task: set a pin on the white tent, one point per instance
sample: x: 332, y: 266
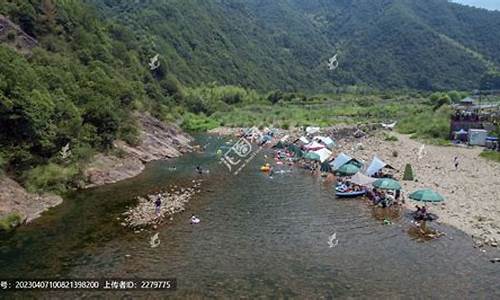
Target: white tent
x: 325, y: 140
x: 340, y: 160
x: 313, y: 146
x: 324, y: 154
x: 304, y: 140
x: 361, y: 179
x: 312, y: 130
x: 389, y: 126
x: 376, y: 165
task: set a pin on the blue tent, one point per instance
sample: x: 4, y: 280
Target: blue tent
x: 340, y: 160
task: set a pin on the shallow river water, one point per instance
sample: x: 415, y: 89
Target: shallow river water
x: 258, y: 237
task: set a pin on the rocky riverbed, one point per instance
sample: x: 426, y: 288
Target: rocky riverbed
x: 172, y: 201
x: 157, y: 141
x: 15, y: 200
x: 472, y: 195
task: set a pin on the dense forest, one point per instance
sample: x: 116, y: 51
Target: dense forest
x: 89, y: 71
x: 286, y: 44
x: 79, y: 86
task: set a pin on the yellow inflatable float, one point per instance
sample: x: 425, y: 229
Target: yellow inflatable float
x: 265, y: 168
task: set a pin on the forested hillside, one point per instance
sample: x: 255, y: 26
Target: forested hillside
x: 79, y: 86
x: 285, y: 44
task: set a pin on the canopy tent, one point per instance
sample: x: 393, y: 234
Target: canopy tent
x: 342, y: 159
x: 389, y: 126
x: 296, y: 150
x: 426, y: 195
x: 327, y: 141
x: 387, y: 184
x: 347, y: 170
x: 376, y: 165
x: 313, y: 146
x: 279, y: 145
x: 312, y: 130
x: 304, y: 140
x: 324, y: 154
x: 312, y: 156
x: 361, y: 179
x: 461, y: 131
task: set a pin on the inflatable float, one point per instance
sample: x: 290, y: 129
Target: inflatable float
x: 265, y: 168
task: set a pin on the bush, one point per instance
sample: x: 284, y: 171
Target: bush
x: 195, y: 123
x: 10, y: 221
x: 50, y: 178
x: 408, y: 174
x: 491, y: 155
x: 11, y: 36
x: 391, y: 138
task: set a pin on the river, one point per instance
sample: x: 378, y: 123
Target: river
x: 258, y: 237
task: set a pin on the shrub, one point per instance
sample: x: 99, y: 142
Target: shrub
x: 11, y: 36
x: 10, y: 221
x: 50, y: 178
x: 408, y: 174
x: 391, y: 138
x: 194, y: 122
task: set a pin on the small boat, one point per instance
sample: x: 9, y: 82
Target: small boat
x: 350, y: 194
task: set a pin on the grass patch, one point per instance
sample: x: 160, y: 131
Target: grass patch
x: 390, y: 137
x: 50, y: 178
x: 10, y: 221
x: 491, y: 155
x: 197, y: 123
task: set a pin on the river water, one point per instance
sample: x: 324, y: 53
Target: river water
x: 258, y: 237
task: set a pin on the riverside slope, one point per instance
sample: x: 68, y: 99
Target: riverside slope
x: 157, y: 141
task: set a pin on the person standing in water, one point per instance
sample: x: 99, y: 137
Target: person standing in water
x: 199, y: 170
x: 158, y: 204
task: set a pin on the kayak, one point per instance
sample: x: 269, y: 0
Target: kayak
x: 349, y: 194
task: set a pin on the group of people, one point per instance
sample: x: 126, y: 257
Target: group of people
x: 383, y: 198
x: 345, y: 186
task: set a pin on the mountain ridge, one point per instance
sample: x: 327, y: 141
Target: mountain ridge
x: 285, y: 44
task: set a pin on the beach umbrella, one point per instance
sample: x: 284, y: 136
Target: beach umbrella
x: 387, y: 184
x: 312, y: 156
x: 426, y: 195
x: 348, y: 169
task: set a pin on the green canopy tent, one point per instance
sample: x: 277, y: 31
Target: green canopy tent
x: 426, y: 195
x: 296, y: 150
x: 312, y: 156
x: 280, y: 145
x: 347, y: 170
x: 387, y: 184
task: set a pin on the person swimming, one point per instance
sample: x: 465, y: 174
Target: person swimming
x: 194, y: 219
